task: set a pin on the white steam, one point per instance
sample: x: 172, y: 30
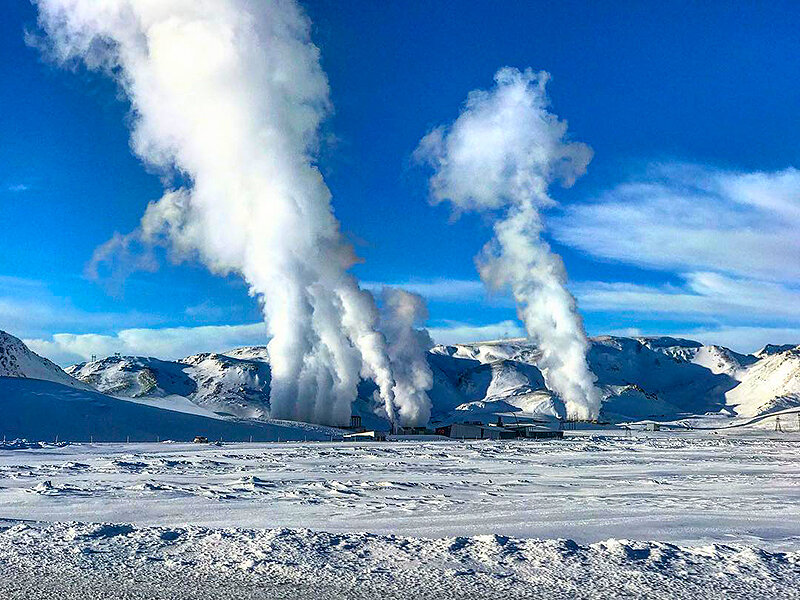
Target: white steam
x: 228, y: 96
x: 403, y: 312
x: 502, y: 153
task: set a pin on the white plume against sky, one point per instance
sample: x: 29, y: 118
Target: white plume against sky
x: 227, y: 98
x: 501, y: 154
x: 404, y: 314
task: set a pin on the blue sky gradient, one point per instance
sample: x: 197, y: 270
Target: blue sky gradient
x: 658, y: 90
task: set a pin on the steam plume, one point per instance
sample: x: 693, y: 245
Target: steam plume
x: 228, y: 96
x: 403, y: 313
x: 502, y: 153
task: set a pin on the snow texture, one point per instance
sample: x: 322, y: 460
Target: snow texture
x: 116, y: 560
x: 405, y: 520
x: 687, y: 488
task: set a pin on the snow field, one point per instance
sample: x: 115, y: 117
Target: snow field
x: 686, y: 488
x: 122, y: 561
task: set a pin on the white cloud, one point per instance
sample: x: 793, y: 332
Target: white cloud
x: 692, y: 218
x: 731, y: 237
x: 18, y: 187
x: 446, y: 290
x: 165, y: 343
x: 454, y: 332
x: 177, y: 342
x: 28, y: 308
x: 702, y: 294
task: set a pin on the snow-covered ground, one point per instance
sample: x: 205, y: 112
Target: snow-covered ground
x: 685, y: 488
x: 120, y: 561
x: 247, y: 519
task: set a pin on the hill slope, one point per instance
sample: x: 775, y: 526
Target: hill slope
x: 217, y: 382
x: 769, y: 384
x: 43, y: 410
x: 17, y: 360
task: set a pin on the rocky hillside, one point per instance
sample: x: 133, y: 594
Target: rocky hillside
x: 657, y: 378
x: 217, y: 382
x: 16, y: 360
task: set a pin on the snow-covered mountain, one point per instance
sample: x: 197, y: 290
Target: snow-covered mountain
x: 657, y: 378
x: 220, y: 383
x: 17, y: 360
x: 249, y: 353
x: 226, y: 384
x: 135, y: 377
x: 771, y: 383
x: 640, y: 378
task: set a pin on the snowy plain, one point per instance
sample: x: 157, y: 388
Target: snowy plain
x: 569, y: 518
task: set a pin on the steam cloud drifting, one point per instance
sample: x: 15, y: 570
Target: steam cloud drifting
x: 229, y: 95
x: 502, y: 153
x: 403, y: 312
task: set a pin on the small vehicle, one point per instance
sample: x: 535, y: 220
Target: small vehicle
x: 200, y: 439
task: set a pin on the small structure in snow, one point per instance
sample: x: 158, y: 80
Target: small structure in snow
x: 523, y: 426
x: 652, y: 427
x: 200, y: 439
x: 365, y: 436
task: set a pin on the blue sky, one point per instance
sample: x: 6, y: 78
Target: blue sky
x: 685, y: 222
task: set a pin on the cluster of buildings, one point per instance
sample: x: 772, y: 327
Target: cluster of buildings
x: 513, y: 428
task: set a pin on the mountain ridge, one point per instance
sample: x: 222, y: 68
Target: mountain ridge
x: 658, y: 377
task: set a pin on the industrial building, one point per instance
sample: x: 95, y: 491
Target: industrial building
x: 477, y: 430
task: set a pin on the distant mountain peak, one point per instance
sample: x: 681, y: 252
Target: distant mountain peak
x: 771, y: 349
x: 17, y: 360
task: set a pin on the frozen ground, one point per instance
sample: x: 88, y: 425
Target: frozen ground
x: 120, y: 561
x: 725, y: 509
